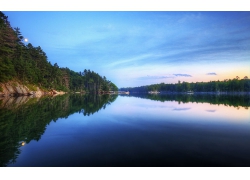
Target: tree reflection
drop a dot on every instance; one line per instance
(24, 120)
(227, 100)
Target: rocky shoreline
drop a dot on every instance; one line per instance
(14, 88)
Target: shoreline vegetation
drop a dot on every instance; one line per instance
(25, 69)
(16, 89)
(191, 93)
(227, 86)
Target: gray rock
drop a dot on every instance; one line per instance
(25, 92)
(9, 102)
(10, 89)
(18, 100)
(19, 90)
(32, 92)
(24, 99)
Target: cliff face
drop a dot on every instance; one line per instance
(14, 88)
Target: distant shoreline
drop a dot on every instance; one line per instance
(195, 93)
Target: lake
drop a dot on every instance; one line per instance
(126, 131)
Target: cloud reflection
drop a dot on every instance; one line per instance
(181, 109)
(211, 110)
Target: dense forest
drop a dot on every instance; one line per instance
(228, 85)
(29, 121)
(30, 65)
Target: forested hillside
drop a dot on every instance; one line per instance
(228, 85)
(29, 65)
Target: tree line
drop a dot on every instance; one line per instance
(227, 85)
(30, 65)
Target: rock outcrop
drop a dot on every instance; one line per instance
(17, 89)
(13, 89)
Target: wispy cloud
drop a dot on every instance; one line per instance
(187, 18)
(129, 60)
(163, 77)
(184, 75)
(155, 77)
(212, 74)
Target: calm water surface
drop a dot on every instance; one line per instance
(140, 130)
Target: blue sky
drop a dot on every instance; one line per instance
(142, 48)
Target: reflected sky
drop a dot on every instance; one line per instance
(141, 132)
(174, 109)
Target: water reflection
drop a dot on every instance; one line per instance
(23, 119)
(136, 130)
(211, 110)
(227, 100)
(181, 109)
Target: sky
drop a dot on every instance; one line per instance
(135, 48)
